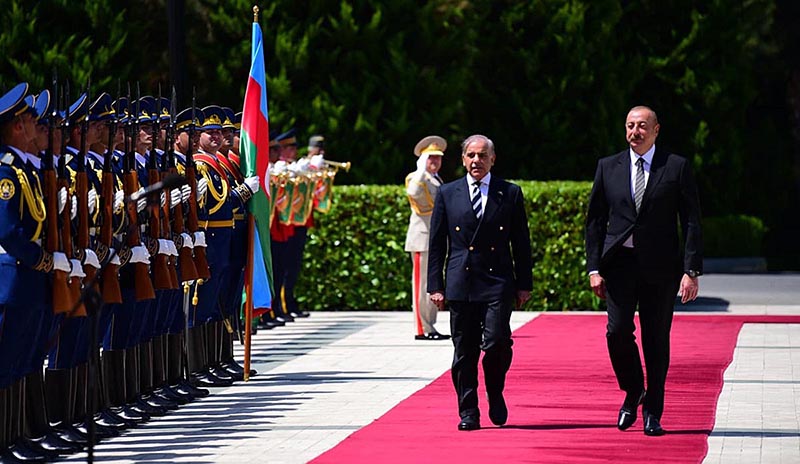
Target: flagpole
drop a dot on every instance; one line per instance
(248, 278)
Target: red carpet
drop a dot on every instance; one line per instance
(563, 402)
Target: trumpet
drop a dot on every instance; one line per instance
(337, 164)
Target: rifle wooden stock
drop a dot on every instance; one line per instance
(82, 190)
(66, 246)
(110, 279)
(200, 260)
(142, 282)
(162, 278)
(166, 233)
(62, 297)
(185, 257)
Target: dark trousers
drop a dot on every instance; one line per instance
(294, 260)
(475, 327)
(629, 287)
(279, 253)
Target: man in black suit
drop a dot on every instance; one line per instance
(480, 264)
(634, 258)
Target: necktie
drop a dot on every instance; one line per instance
(477, 205)
(638, 189)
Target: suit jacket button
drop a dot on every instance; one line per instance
(471, 248)
(501, 227)
(490, 269)
(491, 248)
(458, 228)
(466, 268)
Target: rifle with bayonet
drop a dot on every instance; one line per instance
(185, 257)
(66, 214)
(200, 260)
(162, 277)
(110, 279)
(142, 283)
(82, 192)
(166, 231)
(62, 297)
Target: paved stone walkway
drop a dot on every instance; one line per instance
(324, 377)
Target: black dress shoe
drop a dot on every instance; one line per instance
(469, 423)
(432, 336)
(52, 443)
(627, 413)
(21, 452)
(498, 411)
(185, 386)
(284, 318)
(299, 314)
(652, 426)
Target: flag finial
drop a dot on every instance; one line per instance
(255, 13)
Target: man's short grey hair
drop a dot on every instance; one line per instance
(476, 138)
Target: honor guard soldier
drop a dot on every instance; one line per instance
(421, 188)
(231, 298)
(25, 299)
(217, 219)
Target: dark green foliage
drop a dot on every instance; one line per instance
(549, 80)
(354, 258)
(733, 236)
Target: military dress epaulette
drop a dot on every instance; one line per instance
(7, 158)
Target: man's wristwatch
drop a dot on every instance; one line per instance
(693, 274)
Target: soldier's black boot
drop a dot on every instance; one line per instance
(198, 355)
(176, 367)
(22, 449)
(133, 383)
(82, 413)
(4, 418)
(214, 346)
(57, 387)
(113, 368)
(37, 427)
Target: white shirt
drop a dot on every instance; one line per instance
(648, 162)
(484, 188)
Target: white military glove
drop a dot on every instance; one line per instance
(163, 198)
(74, 208)
(163, 246)
(119, 200)
(91, 198)
(139, 254)
(141, 203)
(279, 166)
(61, 262)
(77, 269)
(185, 192)
(175, 197)
(114, 257)
(62, 199)
(202, 188)
(317, 161)
(422, 163)
(252, 183)
(200, 239)
(302, 164)
(90, 259)
(187, 240)
(173, 251)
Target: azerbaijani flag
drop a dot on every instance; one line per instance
(254, 160)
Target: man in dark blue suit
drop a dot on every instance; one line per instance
(634, 258)
(480, 266)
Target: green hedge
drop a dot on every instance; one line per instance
(354, 257)
(733, 236)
